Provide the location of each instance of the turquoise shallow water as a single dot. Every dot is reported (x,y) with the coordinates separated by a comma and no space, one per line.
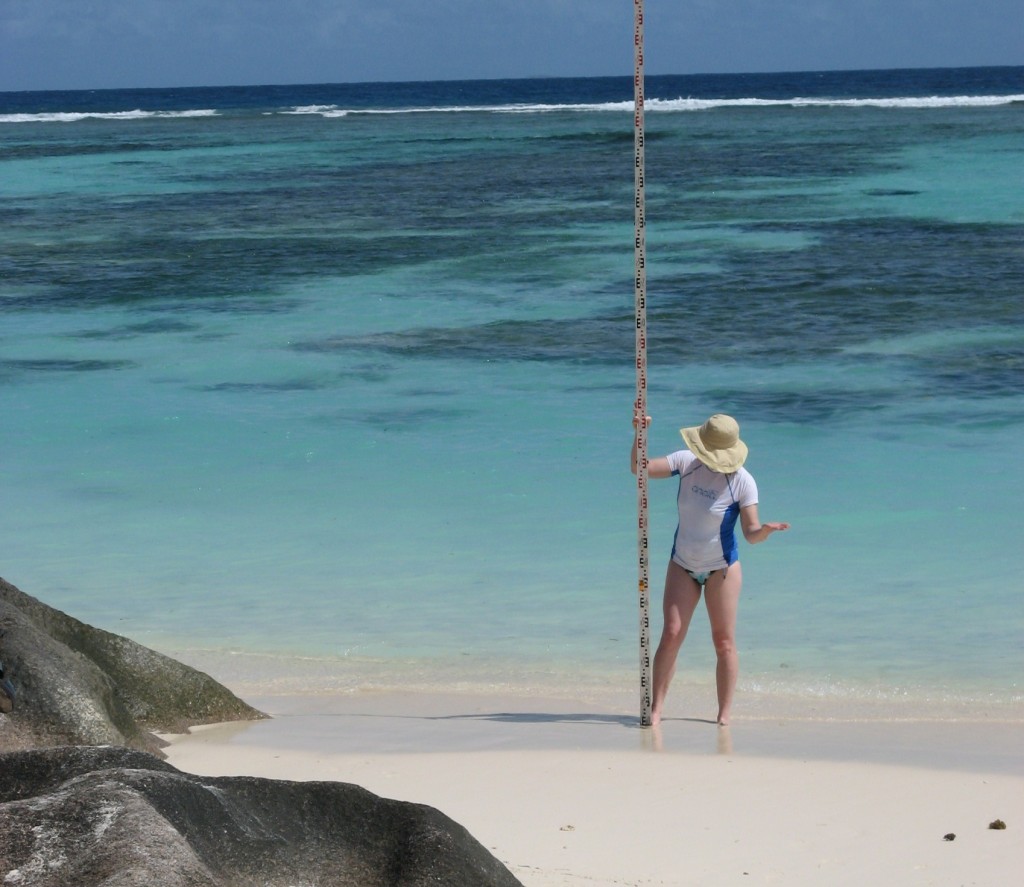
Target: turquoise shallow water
(352,391)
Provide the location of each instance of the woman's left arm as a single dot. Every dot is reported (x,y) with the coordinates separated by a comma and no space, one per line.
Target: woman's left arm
(753,530)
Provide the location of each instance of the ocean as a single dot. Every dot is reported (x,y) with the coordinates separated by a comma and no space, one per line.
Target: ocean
(329,388)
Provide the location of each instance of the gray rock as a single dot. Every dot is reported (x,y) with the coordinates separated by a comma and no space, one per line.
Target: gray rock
(79,685)
(121,818)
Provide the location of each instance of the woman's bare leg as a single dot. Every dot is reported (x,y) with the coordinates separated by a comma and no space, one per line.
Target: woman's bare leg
(681,596)
(722,598)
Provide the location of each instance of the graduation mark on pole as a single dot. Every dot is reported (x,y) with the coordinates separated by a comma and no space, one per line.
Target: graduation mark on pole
(640,406)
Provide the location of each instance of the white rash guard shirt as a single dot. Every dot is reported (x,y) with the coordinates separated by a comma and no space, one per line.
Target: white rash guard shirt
(709,505)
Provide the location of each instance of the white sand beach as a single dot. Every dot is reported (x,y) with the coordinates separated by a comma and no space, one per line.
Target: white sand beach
(566,794)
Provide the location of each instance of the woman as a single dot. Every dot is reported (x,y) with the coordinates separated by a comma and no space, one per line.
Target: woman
(714,490)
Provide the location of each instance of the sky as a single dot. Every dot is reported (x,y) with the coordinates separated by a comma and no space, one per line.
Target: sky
(95,44)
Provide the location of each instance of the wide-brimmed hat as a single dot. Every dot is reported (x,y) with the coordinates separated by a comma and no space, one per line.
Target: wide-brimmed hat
(717,443)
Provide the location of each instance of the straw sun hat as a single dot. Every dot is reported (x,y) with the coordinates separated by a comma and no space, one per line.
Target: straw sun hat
(717,443)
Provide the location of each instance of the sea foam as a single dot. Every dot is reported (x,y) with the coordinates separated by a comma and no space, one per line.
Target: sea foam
(76,116)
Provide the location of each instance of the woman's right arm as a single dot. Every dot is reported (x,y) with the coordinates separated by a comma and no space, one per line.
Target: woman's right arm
(656,468)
